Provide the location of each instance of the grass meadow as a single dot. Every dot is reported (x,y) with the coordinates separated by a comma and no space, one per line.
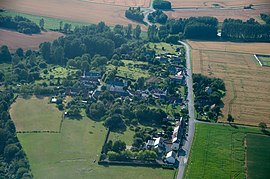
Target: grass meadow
(35,114)
(170,48)
(74,152)
(265,60)
(50,23)
(218,152)
(258,156)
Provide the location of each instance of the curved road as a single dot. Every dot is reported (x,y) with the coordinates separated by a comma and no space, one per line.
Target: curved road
(191,129)
(148,10)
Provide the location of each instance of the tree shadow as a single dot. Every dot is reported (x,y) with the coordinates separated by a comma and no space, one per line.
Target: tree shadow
(77,117)
(266,132)
(26,96)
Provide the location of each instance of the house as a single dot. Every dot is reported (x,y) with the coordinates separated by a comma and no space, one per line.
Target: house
(179,78)
(154,143)
(170,157)
(175,144)
(162,59)
(53,100)
(90,77)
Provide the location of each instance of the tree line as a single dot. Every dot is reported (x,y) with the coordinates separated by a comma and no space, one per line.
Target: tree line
(251,30)
(265,18)
(13,160)
(20,24)
(162,4)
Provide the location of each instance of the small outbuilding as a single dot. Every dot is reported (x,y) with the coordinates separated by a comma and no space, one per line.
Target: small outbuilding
(170,157)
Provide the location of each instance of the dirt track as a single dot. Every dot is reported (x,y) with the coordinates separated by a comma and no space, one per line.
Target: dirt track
(15,40)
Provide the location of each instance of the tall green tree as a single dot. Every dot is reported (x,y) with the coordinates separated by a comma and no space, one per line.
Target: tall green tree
(42,23)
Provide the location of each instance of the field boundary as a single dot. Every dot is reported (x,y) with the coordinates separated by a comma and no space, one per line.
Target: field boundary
(255,55)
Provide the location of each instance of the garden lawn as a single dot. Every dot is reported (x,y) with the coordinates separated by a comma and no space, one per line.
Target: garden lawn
(218,152)
(74,153)
(126,136)
(169,48)
(258,156)
(35,114)
(129,70)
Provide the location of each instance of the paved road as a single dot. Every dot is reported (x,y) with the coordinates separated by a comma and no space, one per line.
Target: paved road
(191,129)
(147,11)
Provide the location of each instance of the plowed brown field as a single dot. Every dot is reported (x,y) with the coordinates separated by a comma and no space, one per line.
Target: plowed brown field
(247,84)
(223,3)
(15,40)
(221,14)
(111,12)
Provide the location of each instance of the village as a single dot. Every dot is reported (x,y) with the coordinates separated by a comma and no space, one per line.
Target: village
(165,142)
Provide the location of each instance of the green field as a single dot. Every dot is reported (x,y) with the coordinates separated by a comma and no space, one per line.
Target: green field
(265,60)
(258,156)
(35,114)
(126,136)
(74,152)
(218,152)
(129,70)
(50,23)
(170,48)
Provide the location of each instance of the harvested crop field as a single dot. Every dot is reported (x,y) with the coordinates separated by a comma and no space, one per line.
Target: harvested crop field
(74,10)
(15,40)
(221,14)
(247,83)
(128,3)
(214,3)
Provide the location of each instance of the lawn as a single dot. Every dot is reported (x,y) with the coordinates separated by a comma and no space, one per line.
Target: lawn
(265,60)
(126,136)
(50,23)
(258,156)
(129,70)
(74,153)
(218,152)
(169,48)
(35,114)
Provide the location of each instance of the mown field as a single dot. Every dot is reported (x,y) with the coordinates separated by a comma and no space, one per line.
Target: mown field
(265,60)
(35,114)
(219,152)
(247,83)
(169,48)
(75,151)
(258,156)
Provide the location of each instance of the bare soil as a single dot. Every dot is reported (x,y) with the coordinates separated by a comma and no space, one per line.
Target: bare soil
(247,83)
(223,3)
(221,14)
(76,10)
(15,40)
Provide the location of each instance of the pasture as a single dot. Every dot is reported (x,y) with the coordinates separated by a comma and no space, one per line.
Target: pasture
(258,156)
(74,153)
(15,40)
(82,11)
(35,114)
(247,84)
(218,152)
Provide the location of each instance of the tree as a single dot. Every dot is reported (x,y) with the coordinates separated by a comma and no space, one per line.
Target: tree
(60,25)
(115,122)
(129,31)
(118,146)
(137,32)
(41,23)
(230,118)
(263,125)
(10,151)
(5,56)
(19,52)
(45,50)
